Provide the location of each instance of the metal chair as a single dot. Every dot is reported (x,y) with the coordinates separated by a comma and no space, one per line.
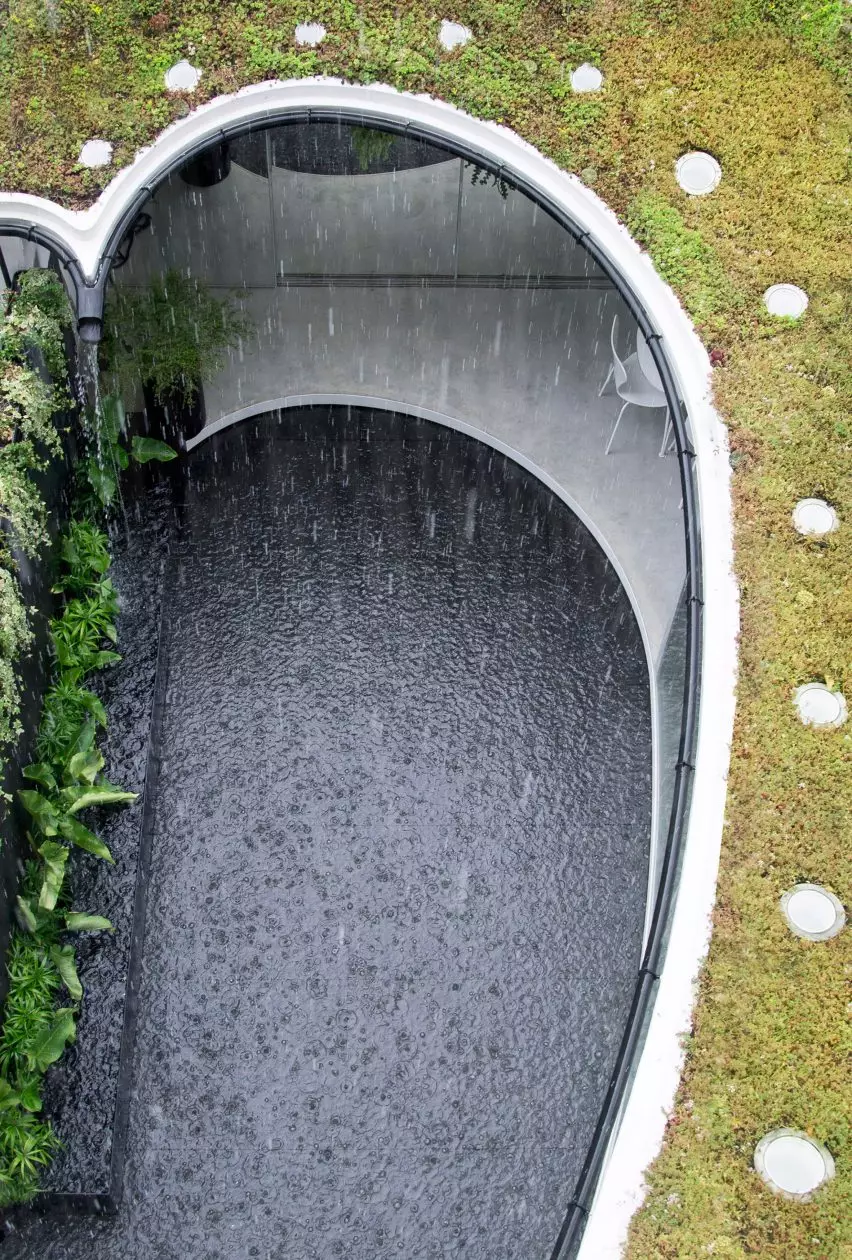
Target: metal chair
(633,386)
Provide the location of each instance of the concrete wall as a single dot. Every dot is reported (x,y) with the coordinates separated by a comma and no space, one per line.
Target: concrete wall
(523,368)
(327,269)
(428,221)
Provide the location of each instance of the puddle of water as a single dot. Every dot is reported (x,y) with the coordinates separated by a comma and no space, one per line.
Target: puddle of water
(400,857)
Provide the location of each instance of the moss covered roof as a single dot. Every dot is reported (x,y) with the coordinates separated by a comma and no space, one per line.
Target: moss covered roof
(761,84)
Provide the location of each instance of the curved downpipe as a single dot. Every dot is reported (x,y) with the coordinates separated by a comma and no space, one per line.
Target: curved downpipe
(89,295)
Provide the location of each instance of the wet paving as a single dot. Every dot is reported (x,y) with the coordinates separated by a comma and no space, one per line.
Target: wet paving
(399,857)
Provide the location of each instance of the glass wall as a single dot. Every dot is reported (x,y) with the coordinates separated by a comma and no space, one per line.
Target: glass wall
(376,267)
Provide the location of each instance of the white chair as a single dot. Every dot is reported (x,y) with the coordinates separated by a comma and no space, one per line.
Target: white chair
(633,386)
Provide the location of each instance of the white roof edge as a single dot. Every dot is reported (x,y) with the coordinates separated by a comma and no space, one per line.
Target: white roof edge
(640,1133)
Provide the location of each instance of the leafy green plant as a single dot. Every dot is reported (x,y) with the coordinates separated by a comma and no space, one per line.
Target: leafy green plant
(109,457)
(69,775)
(27,1145)
(84,551)
(27,406)
(81,630)
(479,177)
(66,707)
(67,780)
(38,315)
(169,335)
(35,1033)
(15,639)
(34,984)
(146,449)
(44,988)
(36,319)
(54,809)
(21,502)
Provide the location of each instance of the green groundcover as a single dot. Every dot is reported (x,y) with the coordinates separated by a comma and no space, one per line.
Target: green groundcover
(762,85)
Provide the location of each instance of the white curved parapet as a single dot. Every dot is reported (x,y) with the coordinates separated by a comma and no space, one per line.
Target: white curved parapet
(88,233)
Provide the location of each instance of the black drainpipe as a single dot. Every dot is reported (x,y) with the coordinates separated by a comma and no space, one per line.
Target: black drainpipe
(88,294)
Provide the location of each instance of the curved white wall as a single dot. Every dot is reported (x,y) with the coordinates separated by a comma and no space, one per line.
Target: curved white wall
(87,234)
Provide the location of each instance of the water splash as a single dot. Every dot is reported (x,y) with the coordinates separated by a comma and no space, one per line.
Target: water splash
(88,379)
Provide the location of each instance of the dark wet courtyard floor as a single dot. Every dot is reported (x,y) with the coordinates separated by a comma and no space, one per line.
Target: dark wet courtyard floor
(399,857)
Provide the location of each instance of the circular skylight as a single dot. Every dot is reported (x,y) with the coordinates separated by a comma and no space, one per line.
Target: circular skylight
(819,706)
(813,912)
(786,299)
(814,516)
(453,35)
(586,78)
(698,173)
(793,1164)
(95,153)
(182,77)
(310,34)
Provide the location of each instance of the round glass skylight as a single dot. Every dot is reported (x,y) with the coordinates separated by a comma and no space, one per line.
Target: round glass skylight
(813,912)
(786,299)
(310,34)
(182,77)
(817,705)
(586,78)
(814,516)
(95,153)
(793,1164)
(453,35)
(698,173)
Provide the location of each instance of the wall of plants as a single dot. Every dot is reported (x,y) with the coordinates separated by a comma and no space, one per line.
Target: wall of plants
(66,784)
(166,337)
